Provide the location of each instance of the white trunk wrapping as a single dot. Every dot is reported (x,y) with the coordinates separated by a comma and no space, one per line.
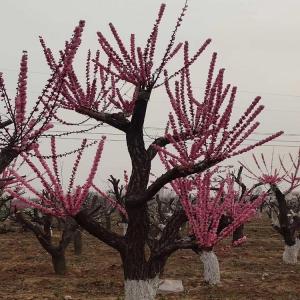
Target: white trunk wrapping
(124,227)
(290,253)
(141,289)
(211,267)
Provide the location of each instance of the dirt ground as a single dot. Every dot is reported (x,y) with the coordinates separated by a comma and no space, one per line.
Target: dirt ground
(252,271)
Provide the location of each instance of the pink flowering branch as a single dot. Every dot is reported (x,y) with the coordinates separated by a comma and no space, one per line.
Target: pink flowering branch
(204,207)
(20,132)
(267,174)
(54,200)
(206,123)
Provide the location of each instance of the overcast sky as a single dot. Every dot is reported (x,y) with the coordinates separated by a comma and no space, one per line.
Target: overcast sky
(258,43)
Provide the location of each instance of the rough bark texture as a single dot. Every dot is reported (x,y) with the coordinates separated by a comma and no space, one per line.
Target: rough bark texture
(141,289)
(77,242)
(238,233)
(285,229)
(290,254)
(43,235)
(59,263)
(211,267)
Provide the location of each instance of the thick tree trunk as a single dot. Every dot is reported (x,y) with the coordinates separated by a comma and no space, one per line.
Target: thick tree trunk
(290,254)
(211,267)
(141,270)
(108,222)
(59,263)
(141,289)
(77,242)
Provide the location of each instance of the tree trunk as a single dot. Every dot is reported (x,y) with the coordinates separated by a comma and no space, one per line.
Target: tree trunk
(238,236)
(290,254)
(59,263)
(77,242)
(124,228)
(284,222)
(211,267)
(108,222)
(141,289)
(141,272)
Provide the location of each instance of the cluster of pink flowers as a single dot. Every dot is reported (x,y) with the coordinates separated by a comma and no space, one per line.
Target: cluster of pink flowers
(53,200)
(267,174)
(7,179)
(20,100)
(136,65)
(207,122)
(204,207)
(28,127)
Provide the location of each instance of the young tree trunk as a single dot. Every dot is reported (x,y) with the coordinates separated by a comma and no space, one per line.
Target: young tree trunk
(211,267)
(291,248)
(59,263)
(290,254)
(77,242)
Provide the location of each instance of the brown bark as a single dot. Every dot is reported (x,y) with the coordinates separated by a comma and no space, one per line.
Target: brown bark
(285,227)
(238,233)
(116,120)
(57,252)
(77,242)
(7,155)
(59,263)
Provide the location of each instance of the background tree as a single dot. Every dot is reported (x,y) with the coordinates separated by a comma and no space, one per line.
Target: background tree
(44,236)
(206,207)
(281,182)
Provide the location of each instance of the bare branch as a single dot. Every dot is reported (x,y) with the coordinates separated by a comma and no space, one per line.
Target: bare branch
(174,173)
(5,123)
(116,120)
(110,238)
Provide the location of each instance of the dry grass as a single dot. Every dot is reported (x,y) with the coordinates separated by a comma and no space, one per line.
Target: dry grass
(253,271)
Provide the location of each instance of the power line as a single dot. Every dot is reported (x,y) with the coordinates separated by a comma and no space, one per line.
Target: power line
(161,128)
(150,140)
(194,86)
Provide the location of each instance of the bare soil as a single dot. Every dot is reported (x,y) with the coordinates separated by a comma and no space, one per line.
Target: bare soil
(252,271)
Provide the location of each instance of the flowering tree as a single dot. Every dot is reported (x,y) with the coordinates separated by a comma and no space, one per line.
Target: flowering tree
(203,122)
(44,236)
(53,200)
(20,129)
(281,182)
(206,206)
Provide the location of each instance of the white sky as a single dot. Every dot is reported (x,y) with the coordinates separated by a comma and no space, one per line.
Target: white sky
(258,42)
